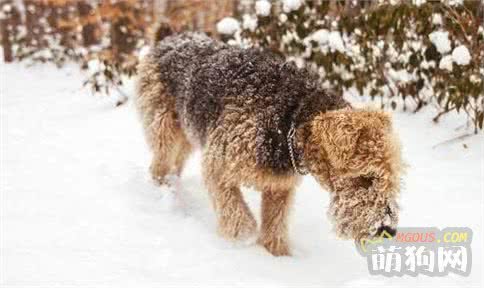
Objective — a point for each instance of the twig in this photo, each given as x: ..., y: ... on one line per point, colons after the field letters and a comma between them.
x: 123, y: 99
x: 455, y: 139
x: 458, y: 20
x: 436, y: 118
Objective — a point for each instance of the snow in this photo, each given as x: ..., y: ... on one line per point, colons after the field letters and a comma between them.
x: 475, y: 79
x: 77, y: 207
x: 446, y: 63
x: 427, y: 64
x: 263, y: 8
x: 144, y: 51
x: 291, y: 5
x: 456, y: 2
x: 437, y: 19
x: 461, y: 55
x: 228, y: 26
x: 7, y: 8
x: 249, y: 22
x: 441, y: 40
x: 333, y: 39
x: 321, y: 36
x: 283, y: 18
x: 400, y: 76
x: 418, y: 2
x: 94, y: 65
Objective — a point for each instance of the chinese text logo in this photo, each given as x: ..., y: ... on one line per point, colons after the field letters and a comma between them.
x: 414, y: 251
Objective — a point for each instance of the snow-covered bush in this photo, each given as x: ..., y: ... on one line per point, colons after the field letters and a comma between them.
x: 405, y: 54
x: 37, y: 35
x: 85, y: 32
x: 228, y: 26
x: 114, y: 57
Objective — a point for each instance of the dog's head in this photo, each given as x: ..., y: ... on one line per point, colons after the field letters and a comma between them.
x: 357, y: 157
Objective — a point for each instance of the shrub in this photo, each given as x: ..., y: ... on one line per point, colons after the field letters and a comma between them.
x: 404, y: 54
x: 103, y: 38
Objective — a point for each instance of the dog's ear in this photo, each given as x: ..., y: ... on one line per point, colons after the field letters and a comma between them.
x: 375, y: 120
x: 337, y: 133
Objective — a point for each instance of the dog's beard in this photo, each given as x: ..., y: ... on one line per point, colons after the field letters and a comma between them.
x: 358, y: 209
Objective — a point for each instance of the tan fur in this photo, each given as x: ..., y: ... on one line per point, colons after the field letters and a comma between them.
x: 276, y: 205
x: 163, y: 132
x: 347, y: 151
x: 359, y: 160
x: 358, y: 142
x: 229, y: 165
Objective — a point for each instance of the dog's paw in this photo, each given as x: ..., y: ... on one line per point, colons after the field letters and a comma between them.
x: 159, y: 181
x: 159, y: 175
x: 277, y: 246
x: 169, y: 180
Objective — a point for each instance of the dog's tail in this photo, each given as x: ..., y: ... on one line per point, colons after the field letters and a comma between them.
x: 161, y: 31
x: 151, y: 95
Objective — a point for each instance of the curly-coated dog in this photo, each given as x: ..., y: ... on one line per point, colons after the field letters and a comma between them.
x: 262, y: 123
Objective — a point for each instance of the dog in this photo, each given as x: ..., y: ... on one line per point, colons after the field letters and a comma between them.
x: 263, y: 123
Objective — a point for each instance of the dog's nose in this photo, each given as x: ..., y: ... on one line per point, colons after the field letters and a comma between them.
x: 390, y: 231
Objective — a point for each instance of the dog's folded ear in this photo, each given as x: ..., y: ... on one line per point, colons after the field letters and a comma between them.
x: 342, y: 132
x: 337, y: 133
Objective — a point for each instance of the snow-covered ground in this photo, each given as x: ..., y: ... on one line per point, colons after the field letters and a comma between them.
x: 78, y: 208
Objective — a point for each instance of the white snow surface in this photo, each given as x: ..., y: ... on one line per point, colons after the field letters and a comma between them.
x: 291, y: 5
x: 441, y: 40
x: 419, y: 2
x: 437, y: 19
x: 446, y: 63
x: 331, y: 39
x: 79, y: 209
x: 456, y: 2
x: 282, y: 18
x: 321, y: 36
x: 461, y: 55
x: 249, y: 22
x: 335, y: 41
x: 228, y: 26
x: 144, y: 51
x: 263, y: 8
x: 94, y: 65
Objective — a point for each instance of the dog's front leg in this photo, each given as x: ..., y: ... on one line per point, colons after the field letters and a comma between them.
x: 235, y: 221
x: 274, y: 232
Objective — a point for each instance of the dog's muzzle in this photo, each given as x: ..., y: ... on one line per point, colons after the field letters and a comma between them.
x: 386, y: 231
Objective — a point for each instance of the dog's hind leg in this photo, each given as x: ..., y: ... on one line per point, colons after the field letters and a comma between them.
x: 163, y: 131
x: 275, y: 209
x: 170, y: 148
x: 184, y: 150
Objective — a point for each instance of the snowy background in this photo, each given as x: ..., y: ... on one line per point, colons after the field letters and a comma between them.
x: 78, y: 208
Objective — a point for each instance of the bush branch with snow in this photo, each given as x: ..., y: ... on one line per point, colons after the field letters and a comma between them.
x: 405, y: 53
